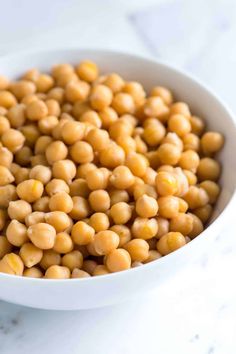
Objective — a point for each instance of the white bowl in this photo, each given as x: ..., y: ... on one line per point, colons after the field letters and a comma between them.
x: 113, y: 288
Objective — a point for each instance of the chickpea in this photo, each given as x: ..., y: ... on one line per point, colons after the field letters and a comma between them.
x: 139, y: 145
x: 59, y: 220
x: 99, y: 200
x: 16, y: 233
x: 23, y: 156
x: 64, y: 170
x: 155, y: 107
x: 120, y: 128
x: 182, y: 223
x: 47, y: 124
x: 16, y: 115
x: 138, y: 249
x: 204, y: 213
x: 146, y: 206
x: 112, y: 156
x: 100, y: 270
x: 31, y: 133
x: 170, y: 242
x: 183, y: 205
x: 36, y: 110
x: 117, y: 196
x: 7, y: 100
x: 13, y: 140
x: 77, y: 91
x: 42, y: 235
x: 87, y: 70
x: 180, y: 108
x: 114, y: 82
x: 3, y: 218
x: 144, y: 228
x: 197, y: 125
x: 89, y: 266
x: 189, y: 160
x: 91, y: 117
x: 44, y: 83
x: 79, y: 108
x: 136, y: 90
x: 30, y: 190
x: 54, y: 108
x: 197, y: 226
x: 73, y: 259
x: 79, y: 273
x: 63, y: 243
x: 100, y: 97
x: 123, y: 103
x: 61, y: 201
x: 179, y: 124
x: 79, y: 187
x: 5, y: 176
x: 60, y: 69
x: 4, y: 125
x: 3, y: 111
x: 5, y: 246
x: 163, y: 93
x: 55, y: 186
x: 33, y: 272
x: 19, y: 210
x: 82, y: 233
x: 50, y: 258
x: 7, y: 194
x: 121, y: 213
x: 154, y: 133
x: 173, y: 138
x: 191, y: 142
x: 166, y: 183
x: 81, y: 152
x: 34, y: 218
x: 212, y: 189
x: 105, y: 242
x: 42, y: 144
x: 211, y: 142
x: 96, y: 179
x: 56, y: 151
x: 196, y: 197
x: 30, y: 254
x: 153, y: 158
x: 41, y: 173
x: 168, y: 207
x: 137, y: 164
x: 108, y: 116
x: 99, y: 222
x: 144, y: 189
x: 169, y: 154
x: 191, y: 177
x: 121, y: 177
x: 98, y: 139
x: 57, y: 272
x: 163, y: 227
x: 22, y: 88
x: 11, y: 264
x: 118, y: 260
x: 84, y: 168
x: 80, y: 208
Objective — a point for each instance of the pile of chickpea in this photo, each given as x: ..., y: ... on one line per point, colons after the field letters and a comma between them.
x: 96, y: 176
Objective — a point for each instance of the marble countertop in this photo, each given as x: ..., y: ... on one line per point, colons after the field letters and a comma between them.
x: 194, y: 312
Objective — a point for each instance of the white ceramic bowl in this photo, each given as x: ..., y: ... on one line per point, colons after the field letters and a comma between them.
x: 113, y: 288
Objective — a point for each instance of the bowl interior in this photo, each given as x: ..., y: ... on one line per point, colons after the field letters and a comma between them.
x: 150, y: 73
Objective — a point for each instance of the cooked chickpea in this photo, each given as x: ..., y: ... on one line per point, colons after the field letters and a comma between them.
x: 77, y: 91
x: 137, y: 164
x: 81, y: 152
x: 34, y: 218
x: 182, y: 223
x: 44, y: 83
x: 30, y: 254
x: 179, y: 124
x: 121, y: 213
x: 138, y: 249
x: 42, y: 235
x: 99, y: 200
x: 61, y: 69
x: 87, y: 70
x: 197, y: 125
x: 6, y: 176
x: 56, y: 151
x: 197, y: 226
x: 105, y: 242
x: 191, y: 142
x: 100, y: 270
x: 4, y: 82
x: 47, y: 124
x: 123, y: 232
x: 146, y: 206
x: 82, y: 233
x: 57, y: 272
x: 96, y: 179
x: 196, y: 197
x: 191, y: 177
x: 5, y: 246
x: 168, y: 207
x: 73, y: 259
x: 50, y: 258
x: 79, y: 273
x: 64, y: 170
x: 122, y: 177
x: 22, y: 88
x: 16, y: 233
x: 169, y: 154
x: 41, y: 173
x: 117, y: 196
x: 33, y: 272
x: 58, y: 219
x: 100, y: 97
x: 99, y: 222
x: 63, y: 243
x: 212, y: 189
x: 163, y: 227
x: 112, y: 156
x: 180, y: 108
x: 211, y: 142
x: 118, y: 260
x: 16, y: 115
x: 89, y: 266
x: 19, y: 210
x: 7, y: 194
x: 114, y: 82
x: 53, y: 106
x: 4, y: 125
x: 189, y: 160
x: 108, y: 116
x: 154, y: 133
x: 80, y: 208
x: 30, y: 133
x: 11, y: 264
x: 163, y: 93
x: 36, y: 110
x: 123, y: 103
x: 79, y: 187
x: 170, y: 242
x: 23, y: 156
x: 144, y: 228
x: 155, y: 107
x: 30, y: 190
x: 204, y: 213
x: 91, y: 117
x: 61, y: 201
x: 7, y: 99
x: 166, y: 183
x: 143, y: 189
x: 120, y: 128
x: 56, y: 185
x: 135, y: 89
x: 13, y: 140
x: 98, y: 139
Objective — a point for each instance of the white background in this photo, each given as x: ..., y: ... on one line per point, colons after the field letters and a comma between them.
x: 194, y: 312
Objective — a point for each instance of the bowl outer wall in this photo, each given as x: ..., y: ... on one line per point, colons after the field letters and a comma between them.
x: 111, y: 289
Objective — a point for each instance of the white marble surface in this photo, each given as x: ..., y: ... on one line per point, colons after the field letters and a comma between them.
x: 195, y: 312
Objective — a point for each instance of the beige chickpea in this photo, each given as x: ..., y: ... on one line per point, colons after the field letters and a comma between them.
x: 34, y: 218
x: 22, y: 174
x: 61, y: 202
x: 23, y: 156
x: 79, y: 273
x: 123, y: 103
x: 118, y: 260
x: 196, y: 197
x: 123, y: 232
x: 204, y: 213
x: 153, y: 159
x: 144, y: 228
x: 168, y: 206
x: 7, y: 194
x: 191, y: 177
x: 79, y: 108
x: 89, y: 266
x: 136, y: 90
x: 7, y: 99
x: 91, y: 117
x: 42, y: 235
x: 41, y: 173
x: 87, y: 70
x: 114, y: 82
x: 122, y: 177
x: 100, y: 97
x: 166, y: 183
x: 53, y: 106
x: 155, y: 107
x: 180, y: 108
x: 138, y: 249
x: 72, y: 132
x: 56, y: 185
x: 108, y: 116
x: 211, y: 142
x: 56, y: 151
x: 31, y: 133
x: 60, y: 69
x: 16, y: 233
x: 80, y: 209
x: 22, y: 88
x: 100, y: 270
x: 41, y: 144
x: 140, y: 145
x: 3, y: 218
x: 64, y: 170
x: 13, y: 140
x: 144, y: 189
x: 163, y: 226
x: 120, y: 128
x: 73, y: 259
x: 63, y: 243
x: 99, y: 200
x: 182, y: 223
x: 19, y: 210
x: 189, y: 160
x: 39, y: 159
x: 5, y: 246
x: 163, y: 93
x: 33, y: 272
x: 197, y: 226
x: 112, y: 156
x: 169, y: 154
x: 4, y: 124
x: 212, y: 189
x: 146, y: 206
x: 137, y: 164
x: 59, y: 220
x: 105, y: 242
x: 30, y: 190
x: 121, y: 213
x: 30, y: 254
x: 173, y: 138
x: 154, y: 133
x: 44, y: 83
x: 16, y: 115
x: 98, y: 139
x: 179, y: 124
x: 170, y: 242
x: 47, y: 124
x: 81, y: 152
x: 117, y: 196
x: 36, y: 110
x: 6, y: 176
x: 99, y: 222
x: 57, y: 272
x: 50, y: 258
x: 11, y: 264
x: 82, y: 233
x: 96, y: 179
x: 77, y: 91
x: 197, y: 125
x: 191, y: 142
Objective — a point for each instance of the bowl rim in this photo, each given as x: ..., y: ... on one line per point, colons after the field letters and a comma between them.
x: 172, y: 68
